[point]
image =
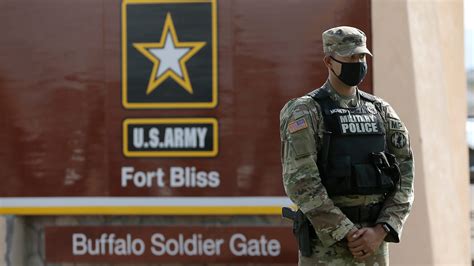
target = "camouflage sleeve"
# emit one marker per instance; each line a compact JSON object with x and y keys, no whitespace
{"x":398,"y":204}
{"x":298,"y":127}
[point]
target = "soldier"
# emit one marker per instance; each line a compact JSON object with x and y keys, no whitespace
{"x":347,"y":161}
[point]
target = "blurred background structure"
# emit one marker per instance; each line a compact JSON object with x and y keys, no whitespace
{"x":469,"y":66}
{"x":76,"y":99}
{"x":419,"y":68}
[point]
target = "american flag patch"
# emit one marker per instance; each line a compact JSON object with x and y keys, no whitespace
{"x":297,"y":125}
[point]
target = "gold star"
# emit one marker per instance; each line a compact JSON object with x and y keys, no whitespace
{"x":169,"y":57}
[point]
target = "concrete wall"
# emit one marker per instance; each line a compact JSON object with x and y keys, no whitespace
{"x":418,"y":68}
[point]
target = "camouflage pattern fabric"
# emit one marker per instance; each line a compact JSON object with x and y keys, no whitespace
{"x":301,"y":132}
{"x":339,"y":254}
{"x":344,"y":41}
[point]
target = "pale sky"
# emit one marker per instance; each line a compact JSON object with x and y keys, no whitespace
{"x":468,"y":18}
{"x":469,"y":33}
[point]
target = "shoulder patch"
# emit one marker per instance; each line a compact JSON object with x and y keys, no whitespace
{"x":297,"y":125}
{"x":395,"y":124}
{"x":398,"y":140}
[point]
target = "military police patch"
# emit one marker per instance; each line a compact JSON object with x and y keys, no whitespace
{"x":395,"y":124}
{"x":169,"y":54}
{"x":398,"y":140}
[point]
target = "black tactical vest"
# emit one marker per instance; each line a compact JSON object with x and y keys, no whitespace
{"x":353,"y":139}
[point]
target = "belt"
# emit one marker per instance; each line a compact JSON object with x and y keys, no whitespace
{"x":363,"y":214}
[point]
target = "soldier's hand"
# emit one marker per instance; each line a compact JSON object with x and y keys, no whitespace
{"x":352,"y":235}
{"x":369,"y":240}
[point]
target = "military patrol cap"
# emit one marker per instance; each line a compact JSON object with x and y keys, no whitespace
{"x":345,"y":41}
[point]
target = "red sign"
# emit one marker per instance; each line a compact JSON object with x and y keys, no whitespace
{"x":155,"y":106}
{"x":170,"y":244}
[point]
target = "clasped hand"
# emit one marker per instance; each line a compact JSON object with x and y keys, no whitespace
{"x":363,"y":242}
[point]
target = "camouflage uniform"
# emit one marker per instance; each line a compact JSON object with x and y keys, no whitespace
{"x":303,"y":185}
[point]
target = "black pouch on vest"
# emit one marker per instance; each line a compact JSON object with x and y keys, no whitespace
{"x":364,"y":179}
{"x":339,"y":176}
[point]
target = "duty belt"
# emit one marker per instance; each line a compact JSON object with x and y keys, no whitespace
{"x":363,"y":214}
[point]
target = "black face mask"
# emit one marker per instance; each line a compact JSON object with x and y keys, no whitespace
{"x":351,"y":73}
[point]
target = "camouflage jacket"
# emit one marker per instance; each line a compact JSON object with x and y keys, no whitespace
{"x":301,"y":177}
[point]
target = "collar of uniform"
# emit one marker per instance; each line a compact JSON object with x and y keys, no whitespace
{"x":345,"y":102}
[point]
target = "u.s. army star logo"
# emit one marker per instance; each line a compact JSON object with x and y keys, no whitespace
{"x":169,"y":57}
{"x":169,"y":54}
